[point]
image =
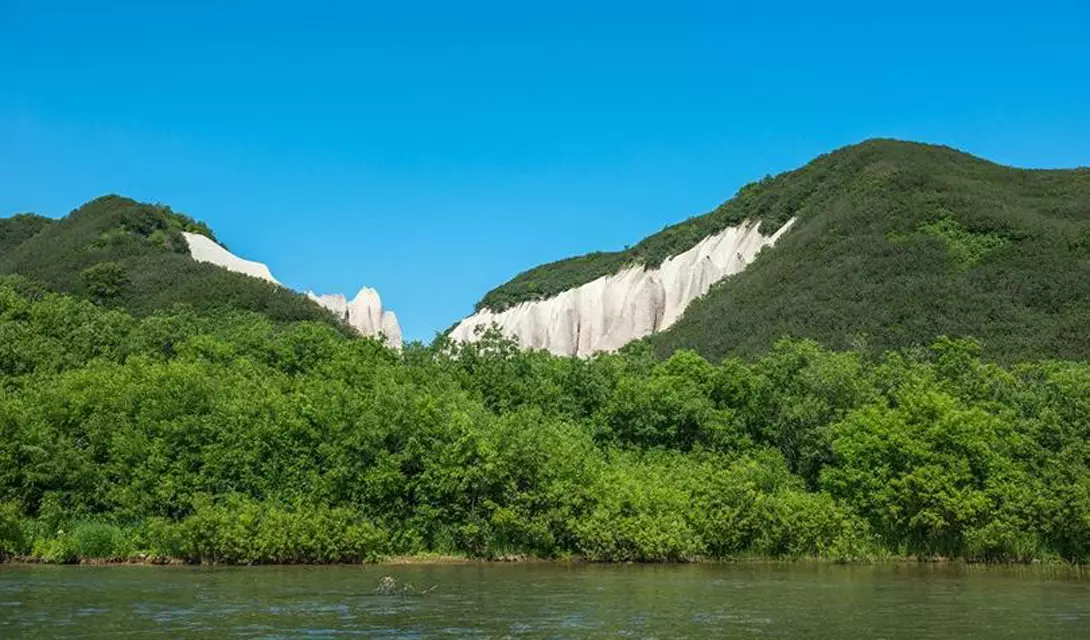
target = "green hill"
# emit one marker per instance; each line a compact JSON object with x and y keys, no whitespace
{"x":132,"y":256}
{"x":772,"y":207}
{"x":19,"y":228}
{"x":895,"y":243}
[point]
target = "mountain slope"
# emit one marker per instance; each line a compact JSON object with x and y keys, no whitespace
{"x":893,"y":244}
{"x":910,"y":242}
{"x":133,"y":256}
{"x":613,"y":310}
{"x":18,"y":229}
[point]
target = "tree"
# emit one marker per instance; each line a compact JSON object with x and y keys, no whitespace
{"x":105,"y":281}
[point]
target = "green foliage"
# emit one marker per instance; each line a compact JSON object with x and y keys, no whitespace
{"x":868,"y":262}
{"x":133,"y":256}
{"x":12,"y":541}
{"x":228,"y":438}
{"x":238,"y":530}
{"x":104,"y":281}
{"x":966,"y":248}
{"x":100,"y":541}
{"x":772,"y":201}
{"x":18,"y":228}
{"x":59,"y":549}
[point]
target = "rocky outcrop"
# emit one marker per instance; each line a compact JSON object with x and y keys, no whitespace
{"x":607,"y":313}
{"x":364,"y":313}
{"x":204,"y":249}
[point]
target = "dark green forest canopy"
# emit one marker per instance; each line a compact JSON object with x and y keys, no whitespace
{"x":226,"y":437}
{"x":909,"y":242}
{"x":19,"y":228}
{"x":895,"y":244}
{"x":142,"y":246}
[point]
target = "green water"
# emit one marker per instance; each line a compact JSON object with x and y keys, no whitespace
{"x":547,"y":601}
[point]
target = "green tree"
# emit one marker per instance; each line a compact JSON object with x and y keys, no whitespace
{"x":105,"y":281}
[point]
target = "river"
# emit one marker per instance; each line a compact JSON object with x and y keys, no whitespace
{"x":547,"y":601}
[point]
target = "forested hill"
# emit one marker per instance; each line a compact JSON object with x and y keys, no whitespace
{"x":899,"y":243}
{"x":894,"y":244}
{"x":131,"y":255}
{"x":19,"y":228}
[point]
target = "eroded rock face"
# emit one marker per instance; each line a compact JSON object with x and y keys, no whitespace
{"x":203,"y":249}
{"x":607,"y":313}
{"x":364,"y":313}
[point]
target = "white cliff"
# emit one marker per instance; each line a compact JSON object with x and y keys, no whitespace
{"x":364,"y":313}
{"x":607,"y":313}
{"x":204,"y":249}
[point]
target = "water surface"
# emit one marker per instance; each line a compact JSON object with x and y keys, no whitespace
{"x":547,"y":601}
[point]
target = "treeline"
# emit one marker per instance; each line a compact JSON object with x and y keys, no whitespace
{"x":132,"y":255}
{"x":228,"y":438}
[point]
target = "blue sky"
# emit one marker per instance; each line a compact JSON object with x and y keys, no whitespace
{"x":434,"y":150}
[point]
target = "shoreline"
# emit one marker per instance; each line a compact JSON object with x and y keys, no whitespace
{"x":450,"y":560}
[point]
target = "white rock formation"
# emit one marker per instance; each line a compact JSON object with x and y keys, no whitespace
{"x":364,"y":313}
{"x":610,"y":312}
{"x":203,"y":249}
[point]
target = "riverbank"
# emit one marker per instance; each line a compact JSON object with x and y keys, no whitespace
{"x":438,"y":559}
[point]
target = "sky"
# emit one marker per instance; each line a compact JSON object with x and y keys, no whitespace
{"x":433,"y":150}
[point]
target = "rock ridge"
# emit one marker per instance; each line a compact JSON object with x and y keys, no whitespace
{"x":608,"y":313}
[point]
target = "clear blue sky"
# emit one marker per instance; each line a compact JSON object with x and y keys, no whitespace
{"x":433,"y":150}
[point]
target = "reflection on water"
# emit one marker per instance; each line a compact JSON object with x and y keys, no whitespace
{"x":544,"y":600}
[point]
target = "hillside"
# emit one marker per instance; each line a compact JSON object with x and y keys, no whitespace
{"x":19,"y":228}
{"x":893,"y":244}
{"x":133,"y":256}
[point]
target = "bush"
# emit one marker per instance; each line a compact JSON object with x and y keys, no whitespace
{"x":12,"y":541}
{"x":240,"y":531}
{"x":228,"y":439}
{"x":104,"y":281}
{"x":99,"y":541}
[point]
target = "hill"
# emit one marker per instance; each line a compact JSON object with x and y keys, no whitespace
{"x":893,"y":244}
{"x":133,"y":256}
{"x":19,"y":228}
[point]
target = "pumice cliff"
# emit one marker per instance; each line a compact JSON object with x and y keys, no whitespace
{"x":364,"y":313}
{"x":611,"y":311}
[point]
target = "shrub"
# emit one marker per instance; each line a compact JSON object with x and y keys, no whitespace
{"x":12,"y":541}
{"x":100,"y":541}
{"x":104,"y":281}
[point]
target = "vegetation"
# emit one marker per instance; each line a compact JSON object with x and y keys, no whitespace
{"x":226,"y":437}
{"x":18,"y":228}
{"x":132,"y":256}
{"x":904,"y":243}
{"x":895,"y":245}
{"x":772,"y":201}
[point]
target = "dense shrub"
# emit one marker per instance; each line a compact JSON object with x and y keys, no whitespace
{"x":12,"y":541}
{"x":227,"y":438}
